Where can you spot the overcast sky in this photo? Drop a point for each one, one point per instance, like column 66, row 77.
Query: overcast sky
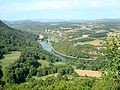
column 59, row 9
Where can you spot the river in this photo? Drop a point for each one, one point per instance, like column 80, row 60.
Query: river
column 47, row 46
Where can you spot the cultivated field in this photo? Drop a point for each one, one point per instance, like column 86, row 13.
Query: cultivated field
column 88, row 73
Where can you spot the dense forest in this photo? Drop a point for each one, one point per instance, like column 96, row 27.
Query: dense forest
column 29, row 73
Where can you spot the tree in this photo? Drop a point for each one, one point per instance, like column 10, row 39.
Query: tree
column 113, row 59
column 1, row 73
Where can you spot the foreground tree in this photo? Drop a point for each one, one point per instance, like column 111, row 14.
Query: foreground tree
column 113, row 58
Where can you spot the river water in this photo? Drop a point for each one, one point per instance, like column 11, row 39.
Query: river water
column 47, row 46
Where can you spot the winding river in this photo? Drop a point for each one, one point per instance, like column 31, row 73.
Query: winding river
column 47, row 46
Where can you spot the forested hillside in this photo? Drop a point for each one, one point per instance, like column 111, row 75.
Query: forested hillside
column 12, row 40
column 16, row 40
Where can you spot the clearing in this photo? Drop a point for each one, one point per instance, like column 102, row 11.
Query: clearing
column 10, row 58
column 44, row 77
column 43, row 63
column 89, row 73
column 96, row 42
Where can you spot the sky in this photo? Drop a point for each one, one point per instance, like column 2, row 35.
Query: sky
column 59, row 9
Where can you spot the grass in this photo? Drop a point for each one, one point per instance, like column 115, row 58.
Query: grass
column 82, row 43
column 10, row 58
column 59, row 63
column 43, row 62
column 46, row 63
column 94, row 42
column 44, row 77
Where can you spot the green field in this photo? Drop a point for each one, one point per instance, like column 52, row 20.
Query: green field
column 96, row 42
column 43, row 62
column 10, row 58
column 44, row 77
column 46, row 63
column 59, row 63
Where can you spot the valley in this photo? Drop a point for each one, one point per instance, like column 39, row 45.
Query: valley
column 59, row 55
column 59, row 44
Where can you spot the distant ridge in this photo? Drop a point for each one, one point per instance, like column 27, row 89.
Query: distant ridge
column 59, row 20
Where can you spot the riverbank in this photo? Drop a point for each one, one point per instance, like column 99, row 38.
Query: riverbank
column 67, row 56
column 48, row 47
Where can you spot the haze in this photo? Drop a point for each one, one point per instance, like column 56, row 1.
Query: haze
column 59, row 9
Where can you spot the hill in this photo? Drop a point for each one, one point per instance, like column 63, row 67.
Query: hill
column 30, row 51
column 12, row 39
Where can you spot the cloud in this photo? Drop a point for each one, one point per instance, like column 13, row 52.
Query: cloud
column 104, row 3
column 39, row 5
column 55, row 4
column 95, row 3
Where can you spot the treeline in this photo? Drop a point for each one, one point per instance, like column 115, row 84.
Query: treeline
column 52, row 69
column 79, row 33
column 57, row 83
column 96, row 65
column 1, row 73
column 84, row 39
column 98, row 35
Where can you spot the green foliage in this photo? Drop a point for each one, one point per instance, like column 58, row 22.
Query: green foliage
column 52, row 69
column 10, row 58
column 97, row 64
column 79, row 51
column 113, row 59
column 98, row 35
column 19, row 74
column 26, row 66
column 84, row 40
column 12, row 40
column 113, row 55
column 53, row 83
column 1, row 73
